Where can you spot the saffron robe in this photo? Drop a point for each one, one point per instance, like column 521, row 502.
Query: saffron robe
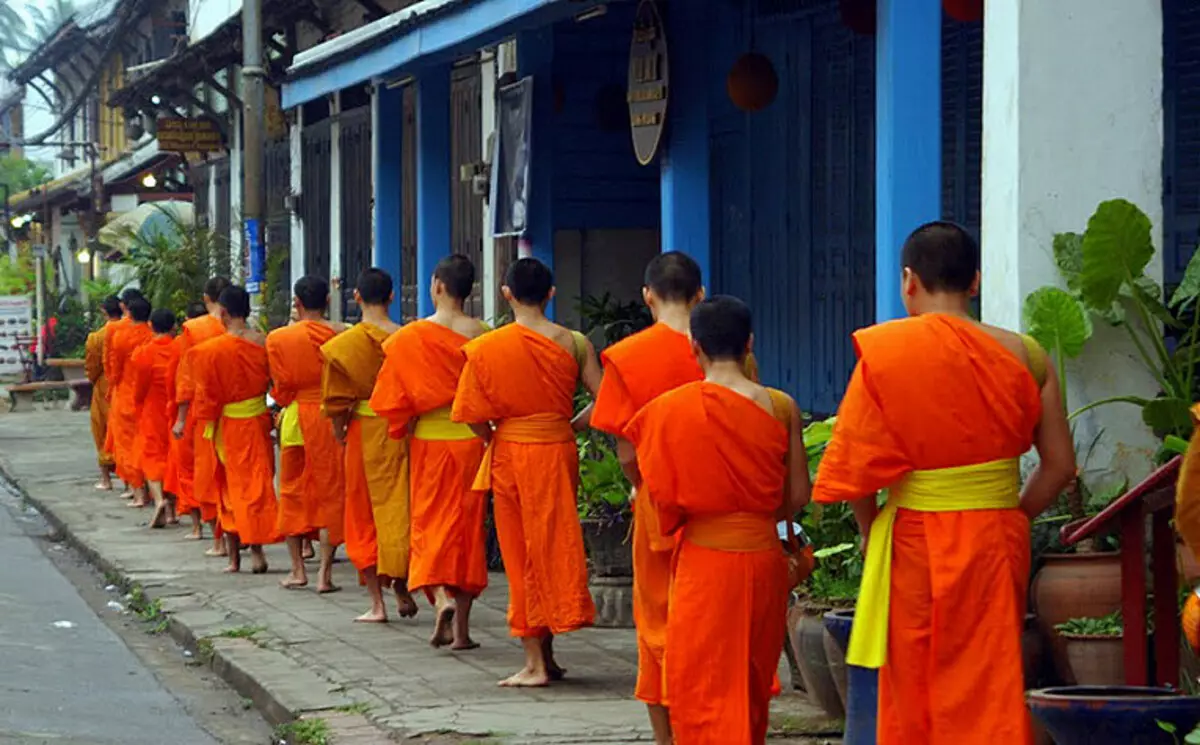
column 151, row 399
column 311, row 488
column 124, row 415
column 93, row 363
column 637, row 370
column 231, row 372
column 716, row 463
column 194, row 457
column 929, row 393
column 376, row 465
column 416, row 385
column 525, row 383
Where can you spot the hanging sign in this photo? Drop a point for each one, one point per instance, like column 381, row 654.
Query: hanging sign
column 178, row 135
column 510, row 159
column 648, row 81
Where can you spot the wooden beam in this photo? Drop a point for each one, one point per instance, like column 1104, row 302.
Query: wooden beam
column 1166, row 601
column 1133, row 595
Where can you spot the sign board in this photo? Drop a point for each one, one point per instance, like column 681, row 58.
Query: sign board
column 510, row 162
column 255, row 257
column 16, row 325
column 649, row 76
column 179, row 135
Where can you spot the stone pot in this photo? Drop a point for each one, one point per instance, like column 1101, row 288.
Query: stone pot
column 1096, row 660
column 809, row 641
column 1118, row 715
column 862, row 684
column 1075, row 586
column 609, row 552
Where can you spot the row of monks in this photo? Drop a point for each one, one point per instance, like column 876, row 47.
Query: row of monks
column 391, row 439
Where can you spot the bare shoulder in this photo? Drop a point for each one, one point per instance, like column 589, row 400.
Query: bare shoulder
column 1011, row 341
column 256, row 337
column 468, row 326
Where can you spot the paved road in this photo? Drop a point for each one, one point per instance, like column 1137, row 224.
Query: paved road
column 65, row 677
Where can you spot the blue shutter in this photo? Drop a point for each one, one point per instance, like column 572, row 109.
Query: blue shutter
column 1181, row 130
column 962, row 122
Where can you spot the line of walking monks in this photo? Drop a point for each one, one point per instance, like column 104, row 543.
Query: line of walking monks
column 392, row 437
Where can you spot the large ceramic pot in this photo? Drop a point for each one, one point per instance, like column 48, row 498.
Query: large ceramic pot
column 862, row 685
column 1118, row 715
column 1096, row 660
column 809, row 641
column 1075, row 586
column 609, row 553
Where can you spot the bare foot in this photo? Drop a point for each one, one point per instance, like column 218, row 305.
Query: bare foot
column 443, row 634
column 464, row 646
column 194, row 537
column 232, row 569
column 372, row 616
column 307, row 554
column 325, row 589
column 555, row 673
column 291, row 583
column 259, row 566
column 216, row 552
column 127, row 495
column 137, row 505
column 526, row 679
column 405, row 605
column 102, row 486
column 159, row 518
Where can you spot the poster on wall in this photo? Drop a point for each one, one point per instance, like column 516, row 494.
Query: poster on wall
column 510, row 161
column 16, row 319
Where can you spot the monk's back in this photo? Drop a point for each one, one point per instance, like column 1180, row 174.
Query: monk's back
column 295, row 355
column 358, row 354
column 652, row 362
column 521, row 372
column 426, row 360
column 241, row 368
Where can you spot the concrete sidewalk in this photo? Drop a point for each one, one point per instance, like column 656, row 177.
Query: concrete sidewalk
column 297, row 654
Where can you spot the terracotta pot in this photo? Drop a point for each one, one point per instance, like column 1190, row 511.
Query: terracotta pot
column 1096, row 660
column 809, row 635
column 836, row 658
column 1074, row 586
column 795, row 613
column 1033, row 651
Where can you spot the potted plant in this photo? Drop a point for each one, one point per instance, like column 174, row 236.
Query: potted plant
column 604, row 508
column 1116, row 715
column 1094, row 651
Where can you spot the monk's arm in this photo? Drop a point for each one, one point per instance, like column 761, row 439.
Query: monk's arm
column 627, row 455
column 799, row 486
column 583, row 420
column 1056, row 452
column 178, row 428
column 592, row 373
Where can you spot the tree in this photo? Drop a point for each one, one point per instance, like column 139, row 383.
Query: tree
column 20, row 174
column 14, row 34
column 48, row 17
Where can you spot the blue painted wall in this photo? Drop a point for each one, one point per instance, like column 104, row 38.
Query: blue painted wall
column 598, row 183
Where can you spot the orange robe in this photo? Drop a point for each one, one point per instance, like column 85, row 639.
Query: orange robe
column 193, row 458
column 311, row 488
column 230, row 371
column 150, row 397
column 416, row 385
column 93, row 362
column 376, row 465
column 525, row 383
column 112, row 330
column 936, row 392
column 715, row 462
column 124, row 418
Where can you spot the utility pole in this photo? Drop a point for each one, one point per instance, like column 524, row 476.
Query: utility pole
column 253, row 136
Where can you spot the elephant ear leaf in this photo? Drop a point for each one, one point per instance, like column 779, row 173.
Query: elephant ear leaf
column 1068, row 257
column 1189, row 287
column 1116, row 249
column 1057, row 321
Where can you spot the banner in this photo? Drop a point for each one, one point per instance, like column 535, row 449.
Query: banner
column 510, row 161
column 16, row 329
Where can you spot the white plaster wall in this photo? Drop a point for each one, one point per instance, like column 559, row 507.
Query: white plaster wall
column 204, row 16
column 1072, row 116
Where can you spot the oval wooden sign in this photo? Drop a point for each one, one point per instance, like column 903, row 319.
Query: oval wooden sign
column 649, row 76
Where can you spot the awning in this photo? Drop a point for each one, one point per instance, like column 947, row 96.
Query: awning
column 132, row 163
column 75, row 184
column 429, row 31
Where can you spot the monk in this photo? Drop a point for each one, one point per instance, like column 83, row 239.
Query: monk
column 724, row 460
column 178, row 488
column 123, row 425
column 938, row 411
column 150, row 396
column 416, row 389
column 93, row 362
column 376, row 465
column 311, row 487
column 232, row 378
column 517, row 392
column 196, row 456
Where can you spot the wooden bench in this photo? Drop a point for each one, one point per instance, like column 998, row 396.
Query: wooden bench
column 23, row 395
column 72, row 370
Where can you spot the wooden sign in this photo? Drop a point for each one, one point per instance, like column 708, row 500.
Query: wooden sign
column 179, row 135
column 648, row 82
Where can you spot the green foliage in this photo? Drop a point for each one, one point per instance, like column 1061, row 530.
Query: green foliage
column 831, row 527
column 838, row 574
column 276, row 291
column 603, row 488
column 21, row 174
column 1110, row 625
column 18, row 278
column 1191, row 738
column 304, row 732
column 172, row 266
column 611, row 319
column 242, row 632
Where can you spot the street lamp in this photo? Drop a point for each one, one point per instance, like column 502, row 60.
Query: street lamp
column 149, row 181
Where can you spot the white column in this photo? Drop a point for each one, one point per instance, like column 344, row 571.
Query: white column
column 296, row 179
column 487, row 277
column 376, row 133
column 213, row 193
column 1072, row 116
column 335, row 205
column 237, row 268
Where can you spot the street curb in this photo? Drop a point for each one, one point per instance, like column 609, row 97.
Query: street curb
column 273, row 710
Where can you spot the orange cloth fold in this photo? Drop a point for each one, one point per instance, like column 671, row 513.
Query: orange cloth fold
column 376, row 523
column 123, row 417
column 929, row 393
column 193, row 490
column 516, row 374
column 419, row 377
column 93, row 362
column 151, row 399
column 311, row 484
column 715, row 462
column 229, row 370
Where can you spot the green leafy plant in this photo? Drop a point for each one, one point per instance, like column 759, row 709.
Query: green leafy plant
column 603, row 488
column 242, row 632
column 1110, row 625
column 610, row 319
column 172, row 265
column 304, row 732
column 838, row 574
column 276, row 291
column 1191, row 738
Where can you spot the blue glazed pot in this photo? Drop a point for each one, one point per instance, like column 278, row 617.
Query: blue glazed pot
column 862, row 685
column 1116, row 715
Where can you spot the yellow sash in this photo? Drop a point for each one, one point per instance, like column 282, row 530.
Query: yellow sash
column 986, row 486
column 539, row 428
column 290, row 434
column 248, row 409
column 436, row 425
column 363, row 408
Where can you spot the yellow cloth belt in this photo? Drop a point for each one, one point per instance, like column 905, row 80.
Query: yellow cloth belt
column 290, row 434
column 248, row 409
column 740, row 532
column 363, row 408
column 994, row 485
column 436, row 425
column 545, row 429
